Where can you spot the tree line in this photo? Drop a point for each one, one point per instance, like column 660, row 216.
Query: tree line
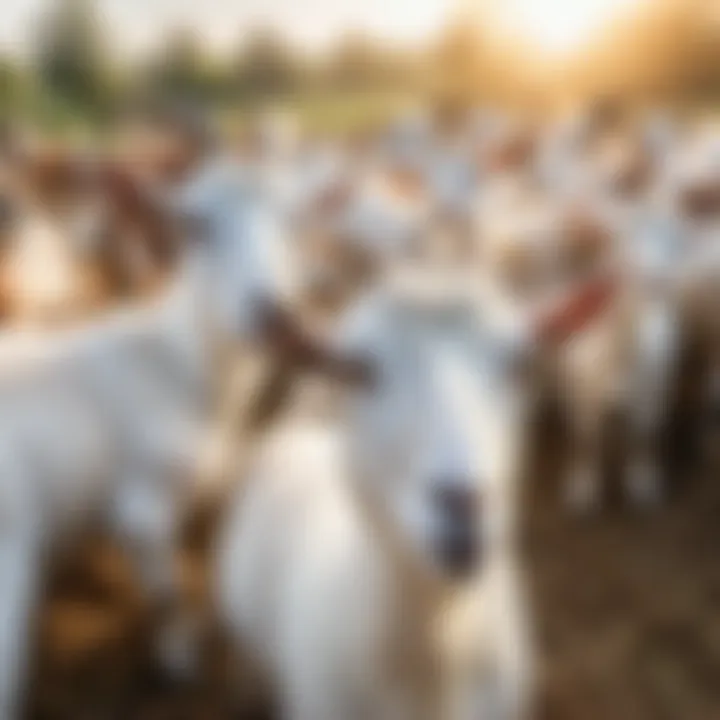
column 671, row 51
column 74, row 72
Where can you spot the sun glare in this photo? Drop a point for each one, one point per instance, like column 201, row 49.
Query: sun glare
column 556, row 26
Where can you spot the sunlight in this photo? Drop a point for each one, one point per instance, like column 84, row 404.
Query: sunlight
column 556, row 26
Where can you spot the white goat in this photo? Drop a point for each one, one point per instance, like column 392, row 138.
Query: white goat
column 360, row 229
column 369, row 569
column 103, row 425
column 624, row 360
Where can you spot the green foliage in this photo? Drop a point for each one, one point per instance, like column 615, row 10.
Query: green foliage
column 181, row 69
column 13, row 87
column 265, row 68
column 72, row 62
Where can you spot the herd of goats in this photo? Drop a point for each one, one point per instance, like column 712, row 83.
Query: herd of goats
column 340, row 343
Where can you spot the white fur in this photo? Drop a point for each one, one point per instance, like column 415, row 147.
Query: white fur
column 625, row 364
column 326, row 573
column 626, row 358
column 103, row 425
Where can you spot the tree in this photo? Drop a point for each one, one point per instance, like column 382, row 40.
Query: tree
column 266, row 67
column 72, row 57
column 358, row 64
column 182, row 70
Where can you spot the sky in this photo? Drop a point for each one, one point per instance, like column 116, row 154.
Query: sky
column 558, row 27
column 136, row 25
column 554, row 27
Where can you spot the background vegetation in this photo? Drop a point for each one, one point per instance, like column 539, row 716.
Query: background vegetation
column 73, row 80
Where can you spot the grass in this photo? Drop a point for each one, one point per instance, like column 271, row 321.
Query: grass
column 325, row 113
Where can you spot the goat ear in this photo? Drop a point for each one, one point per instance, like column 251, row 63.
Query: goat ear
column 574, row 311
column 302, row 352
column 271, row 398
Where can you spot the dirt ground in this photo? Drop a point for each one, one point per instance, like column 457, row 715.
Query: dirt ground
column 626, row 608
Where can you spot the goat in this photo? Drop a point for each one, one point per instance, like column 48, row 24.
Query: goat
column 75, row 240
column 623, row 362
column 102, row 424
column 369, row 569
column 625, row 366
column 358, row 228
